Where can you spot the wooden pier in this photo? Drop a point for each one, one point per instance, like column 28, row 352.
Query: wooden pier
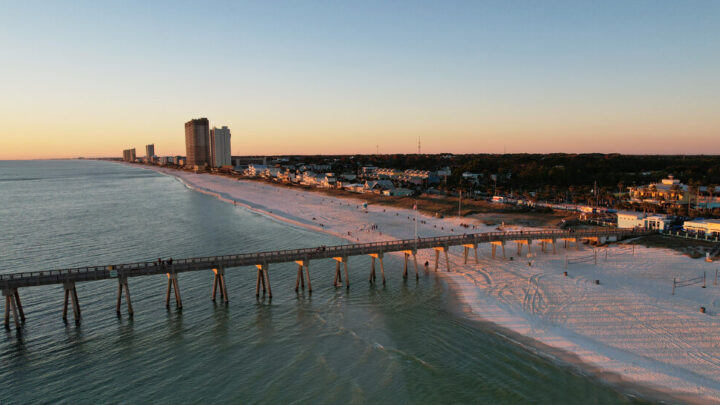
column 10, row 283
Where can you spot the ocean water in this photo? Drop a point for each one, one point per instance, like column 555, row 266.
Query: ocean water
column 403, row 343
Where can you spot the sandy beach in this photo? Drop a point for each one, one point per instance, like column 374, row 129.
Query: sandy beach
column 627, row 324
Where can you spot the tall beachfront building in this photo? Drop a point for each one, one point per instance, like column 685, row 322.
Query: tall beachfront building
column 129, row 155
column 149, row 152
column 220, row 146
column 197, row 142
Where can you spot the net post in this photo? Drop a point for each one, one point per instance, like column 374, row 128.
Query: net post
column 673, row 290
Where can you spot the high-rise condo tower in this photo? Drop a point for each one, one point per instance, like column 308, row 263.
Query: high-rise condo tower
column 220, row 146
column 197, row 142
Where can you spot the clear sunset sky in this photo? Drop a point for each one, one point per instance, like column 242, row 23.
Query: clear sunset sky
column 330, row 77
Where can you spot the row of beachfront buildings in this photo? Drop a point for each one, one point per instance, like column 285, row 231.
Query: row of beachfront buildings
column 370, row 179
column 204, row 147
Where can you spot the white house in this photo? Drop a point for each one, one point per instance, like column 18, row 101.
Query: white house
column 640, row 220
column 328, row 180
column 254, row 170
column 271, row 172
column 309, row 178
column 630, row 220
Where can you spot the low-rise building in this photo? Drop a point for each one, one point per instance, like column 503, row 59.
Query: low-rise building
column 287, row 176
column 328, row 180
column 254, row 170
column 388, row 174
column 368, row 171
column 669, row 189
column 419, row 177
column 353, row 187
column 472, row 177
column 710, row 227
column 377, row 186
column 311, row 178
column 271, row 172
column 398, row 192
column 640, row 220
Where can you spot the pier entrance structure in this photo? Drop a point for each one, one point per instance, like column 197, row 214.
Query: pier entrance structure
column 10, row 283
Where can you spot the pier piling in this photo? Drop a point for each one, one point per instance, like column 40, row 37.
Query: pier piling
column 260, row 280
column 219, row 284
column 495, row 244
column 173, row 286
column 407, row 257
column 306, row 265
column 300, row 280
column 417, row 274
column 443, row 249
column 347, row 276
column 338, row 275
column 373, row 276
column 123, row 285
column 467, row 248
column 405, row 268
column 266, row 271
column 71, row 295
column 13, row 304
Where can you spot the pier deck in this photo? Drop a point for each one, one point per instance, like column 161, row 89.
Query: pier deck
column 10, row 283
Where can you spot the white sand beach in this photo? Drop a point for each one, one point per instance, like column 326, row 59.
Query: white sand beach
column 629, row 324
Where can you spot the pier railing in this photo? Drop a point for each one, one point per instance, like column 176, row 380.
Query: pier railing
column 33, row 278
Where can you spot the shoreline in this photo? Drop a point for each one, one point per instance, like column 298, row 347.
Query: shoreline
column 567, row 359
column 464, row 309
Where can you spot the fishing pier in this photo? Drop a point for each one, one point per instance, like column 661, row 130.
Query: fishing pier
column 11, row 283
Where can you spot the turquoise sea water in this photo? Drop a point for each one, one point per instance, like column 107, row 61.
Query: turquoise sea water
column 399, row 344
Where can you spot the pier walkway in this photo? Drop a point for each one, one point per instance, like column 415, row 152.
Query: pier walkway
column 10, row 283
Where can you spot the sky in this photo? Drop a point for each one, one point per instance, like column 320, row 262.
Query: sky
column 91, row 78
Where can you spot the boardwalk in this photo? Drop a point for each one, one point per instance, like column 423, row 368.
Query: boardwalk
column 10, row 283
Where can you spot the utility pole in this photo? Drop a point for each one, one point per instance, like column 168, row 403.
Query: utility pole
column 596, row 193
column 418, row 145
column 460, row 205
column 377, row 149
